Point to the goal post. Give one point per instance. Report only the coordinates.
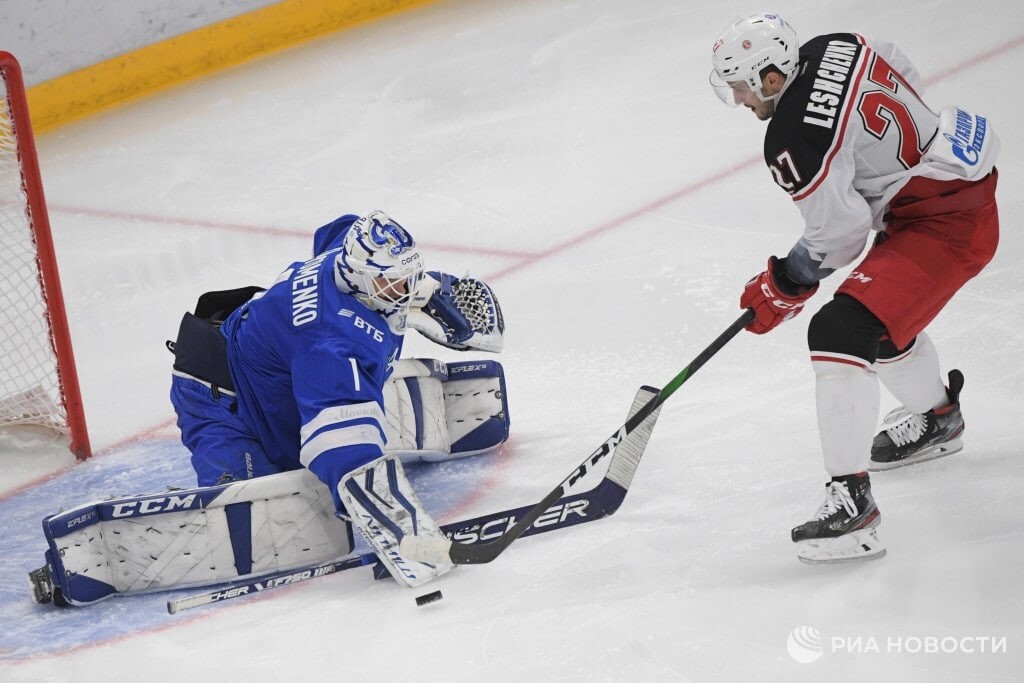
(39, 390)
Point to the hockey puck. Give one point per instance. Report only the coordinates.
(428, 598)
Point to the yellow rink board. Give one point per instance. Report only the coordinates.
(171, 61)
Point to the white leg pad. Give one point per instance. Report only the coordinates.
(437, 411)
(414, 410)
(382, 504)
(193, 537)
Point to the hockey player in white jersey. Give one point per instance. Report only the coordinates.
(852, 142)
(294, 376)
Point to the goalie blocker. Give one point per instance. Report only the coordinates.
(209, 535)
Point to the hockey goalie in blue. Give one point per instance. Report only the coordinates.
(273, 386)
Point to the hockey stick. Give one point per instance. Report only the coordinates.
(436, 551)
(599, 502)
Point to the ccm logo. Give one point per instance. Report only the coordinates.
(153, 505)
(859, 277)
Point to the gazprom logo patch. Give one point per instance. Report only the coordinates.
(968, 137)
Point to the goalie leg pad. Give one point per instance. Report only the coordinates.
(384, 507)
(436, 411)
(414, 410)
(193, 537)
(476, 407)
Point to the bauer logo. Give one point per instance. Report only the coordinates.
(804, 645)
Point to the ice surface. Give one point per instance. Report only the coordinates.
(572, 154)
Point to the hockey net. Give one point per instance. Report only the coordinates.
(40, 399)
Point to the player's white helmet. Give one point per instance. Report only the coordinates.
(381, 266)
(751, 43)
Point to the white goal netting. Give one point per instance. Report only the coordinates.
(32, 396)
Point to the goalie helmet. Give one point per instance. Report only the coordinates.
(752, 43)
(380, 265)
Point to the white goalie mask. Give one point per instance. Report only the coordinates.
(750, 44)
(380, 265)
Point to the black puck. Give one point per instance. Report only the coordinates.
(428, 598)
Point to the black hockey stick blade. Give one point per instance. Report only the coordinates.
(486, 552)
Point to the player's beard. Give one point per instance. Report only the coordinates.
(766, 111)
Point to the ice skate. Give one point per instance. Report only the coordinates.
(908, 438)
(844, 528)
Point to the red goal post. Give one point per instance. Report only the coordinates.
(39, 391)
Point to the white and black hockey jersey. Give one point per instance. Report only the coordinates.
(849, 131)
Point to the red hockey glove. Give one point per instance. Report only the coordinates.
(774, 297)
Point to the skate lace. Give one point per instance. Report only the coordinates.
(908, 427)
(837, 497)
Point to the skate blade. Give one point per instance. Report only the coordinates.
(858, 546)
(940, 450)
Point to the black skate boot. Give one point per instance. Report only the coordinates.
(844, 529)
(908, 438)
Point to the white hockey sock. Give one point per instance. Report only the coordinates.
(914, 377)
(847, 400)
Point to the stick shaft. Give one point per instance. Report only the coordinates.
(485, 552)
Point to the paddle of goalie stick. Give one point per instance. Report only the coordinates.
(434, 551)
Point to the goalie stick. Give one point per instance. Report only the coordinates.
(458, 553)
(599, 502)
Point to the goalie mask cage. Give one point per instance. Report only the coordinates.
(39, 389)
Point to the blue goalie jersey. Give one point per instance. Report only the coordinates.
(308, 362)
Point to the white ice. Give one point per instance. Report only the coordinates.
(573, 154)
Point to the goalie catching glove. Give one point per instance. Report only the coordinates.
(460, 313)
